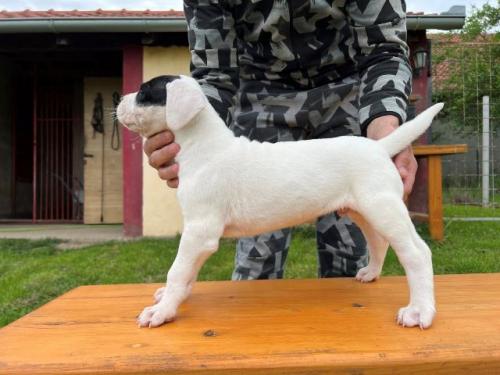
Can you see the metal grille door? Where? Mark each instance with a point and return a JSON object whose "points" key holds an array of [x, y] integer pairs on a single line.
{"points": [[56, 194]]}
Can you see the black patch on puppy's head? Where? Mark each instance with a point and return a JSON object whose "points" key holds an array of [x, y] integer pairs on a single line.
{"points": [[154, 92]]}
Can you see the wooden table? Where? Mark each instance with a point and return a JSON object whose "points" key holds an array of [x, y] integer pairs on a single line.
{"points": [[433, 154], [262, 327]]}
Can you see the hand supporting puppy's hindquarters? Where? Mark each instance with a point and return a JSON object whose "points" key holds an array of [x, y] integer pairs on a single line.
{"points": [[405, 161], [161, 151], [407, 167]]}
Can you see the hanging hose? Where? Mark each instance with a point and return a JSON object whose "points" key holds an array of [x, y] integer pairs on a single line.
{"points": [[98, 126], [115, 137], [97, 115]]}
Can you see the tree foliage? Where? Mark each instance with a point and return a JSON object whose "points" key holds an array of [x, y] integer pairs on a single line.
{"points": [[485, 20], [466, 67]]}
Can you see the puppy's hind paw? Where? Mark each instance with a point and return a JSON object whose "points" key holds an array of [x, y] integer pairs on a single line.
{"points": [[411, 316], [368, 274], [154, 316]]}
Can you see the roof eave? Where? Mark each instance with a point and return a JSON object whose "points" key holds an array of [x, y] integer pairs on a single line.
{"points": [[450, 20], [92, 25], [423, 22], [149, 25]]}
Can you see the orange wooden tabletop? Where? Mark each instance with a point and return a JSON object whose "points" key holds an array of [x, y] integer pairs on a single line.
{"points": [[261, 327], [427, 150]]}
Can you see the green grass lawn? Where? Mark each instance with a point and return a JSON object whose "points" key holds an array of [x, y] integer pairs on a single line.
{"points": [[470, 211], [34, 272], [470, 199]]}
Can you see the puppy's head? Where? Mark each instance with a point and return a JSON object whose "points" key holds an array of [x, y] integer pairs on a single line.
{"points": [[165, 102]]}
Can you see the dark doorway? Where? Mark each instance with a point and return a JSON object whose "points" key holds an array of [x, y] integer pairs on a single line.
{"points": [[45, 117], [41, 152], [22, 152]]}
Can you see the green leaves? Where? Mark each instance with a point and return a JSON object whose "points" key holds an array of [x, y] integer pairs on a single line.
{"points": [[481, 21]]}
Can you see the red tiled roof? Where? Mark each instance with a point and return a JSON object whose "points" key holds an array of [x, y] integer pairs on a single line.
{"points": [[99, 13]]}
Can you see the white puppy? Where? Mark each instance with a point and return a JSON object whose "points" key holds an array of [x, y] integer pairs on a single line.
{"points": [[233, 187]]}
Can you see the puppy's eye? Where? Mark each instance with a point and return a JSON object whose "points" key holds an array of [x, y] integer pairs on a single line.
{"points": [[141, 96]]}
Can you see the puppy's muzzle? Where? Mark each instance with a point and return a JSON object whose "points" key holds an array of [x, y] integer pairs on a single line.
{"points": [[125, 112]]}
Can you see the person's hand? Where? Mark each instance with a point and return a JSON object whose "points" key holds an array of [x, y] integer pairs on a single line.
{"points": [[161, 151], [405, 161]]}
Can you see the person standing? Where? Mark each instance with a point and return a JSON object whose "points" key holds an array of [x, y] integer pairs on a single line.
{"points": [[277, 71]]}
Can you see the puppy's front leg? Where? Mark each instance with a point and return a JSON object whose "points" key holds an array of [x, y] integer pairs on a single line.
{"points": [[197, 244]]}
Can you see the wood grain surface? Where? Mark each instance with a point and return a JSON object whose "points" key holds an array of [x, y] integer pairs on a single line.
{"points": [[435, 199], [262, 327], [425, 150]]}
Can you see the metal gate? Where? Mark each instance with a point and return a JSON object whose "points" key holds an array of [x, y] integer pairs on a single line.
{"points": [[57, 195]]}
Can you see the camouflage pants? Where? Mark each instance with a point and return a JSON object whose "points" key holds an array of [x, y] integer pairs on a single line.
{"points": [[340, 244]]}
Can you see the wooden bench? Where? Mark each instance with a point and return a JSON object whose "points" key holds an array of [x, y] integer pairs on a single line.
{"points": [[433, 155], [261, 327]]}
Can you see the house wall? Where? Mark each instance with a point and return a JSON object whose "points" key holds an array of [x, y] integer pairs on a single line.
{"points": [[161, 212], [113, 174], [5, 139]]}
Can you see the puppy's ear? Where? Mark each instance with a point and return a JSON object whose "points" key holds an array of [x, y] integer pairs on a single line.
{"points": [[185, 100]]}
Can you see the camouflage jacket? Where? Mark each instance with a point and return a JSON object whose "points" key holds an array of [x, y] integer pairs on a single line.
{"points": [[288, 54]]}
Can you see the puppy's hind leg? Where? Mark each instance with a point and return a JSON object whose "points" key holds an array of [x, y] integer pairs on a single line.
{"points": [[377, 247], [197, 243], [392, 220]]}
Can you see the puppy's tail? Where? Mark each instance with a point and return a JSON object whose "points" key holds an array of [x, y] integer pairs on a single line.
{"points": [[409, 131]]}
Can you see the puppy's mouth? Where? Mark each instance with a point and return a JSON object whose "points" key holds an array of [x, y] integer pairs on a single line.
{"points": [[133, 127], [129, 122]]}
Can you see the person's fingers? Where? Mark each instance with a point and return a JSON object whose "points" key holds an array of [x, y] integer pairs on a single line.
{"points": [[407, 167], [403, 172], [161, 152], [408, 182], [174, 184], [164, 155], [169, 172], [158, 141]]}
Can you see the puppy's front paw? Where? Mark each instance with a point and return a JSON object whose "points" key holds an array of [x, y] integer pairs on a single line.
{"points": [[368, 274], [411, 316], [154, 316]]}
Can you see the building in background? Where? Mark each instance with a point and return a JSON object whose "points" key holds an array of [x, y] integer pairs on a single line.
{"points": [[63, 157]]}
